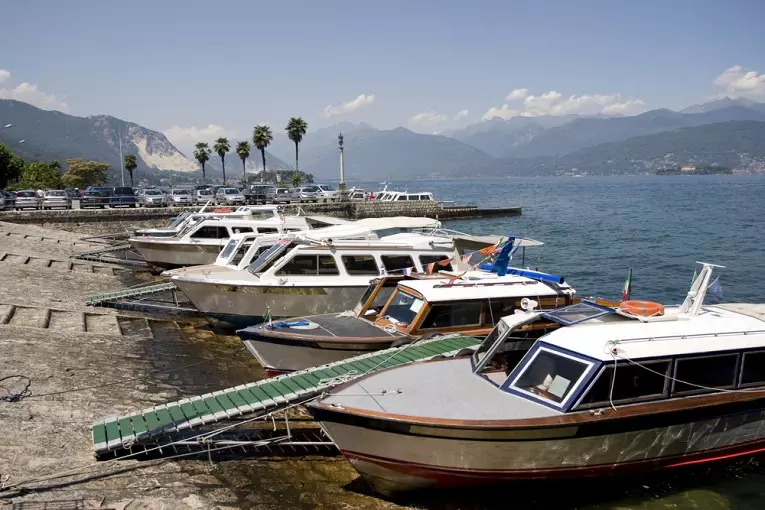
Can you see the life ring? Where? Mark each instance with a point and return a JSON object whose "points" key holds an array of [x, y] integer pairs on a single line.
{"points": [[642, 308]]}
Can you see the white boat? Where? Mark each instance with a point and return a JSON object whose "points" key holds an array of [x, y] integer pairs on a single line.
{"points": [[400, 309], [612, 391], [201, 238], [184, 219], [311, 272]]}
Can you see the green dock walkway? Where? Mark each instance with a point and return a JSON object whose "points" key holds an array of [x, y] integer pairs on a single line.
{"points": [[268, 395]]}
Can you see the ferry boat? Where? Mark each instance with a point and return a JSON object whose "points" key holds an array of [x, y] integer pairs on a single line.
{"points": [[200, 240], [613, 390], [397, 310], [310, 272]]}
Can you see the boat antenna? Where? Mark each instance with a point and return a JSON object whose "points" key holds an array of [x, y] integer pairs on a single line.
{"points": [[695, 297]]}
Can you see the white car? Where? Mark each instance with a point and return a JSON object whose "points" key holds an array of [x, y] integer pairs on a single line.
{"points": [[229, 196], [326, 192], [181, 197]]}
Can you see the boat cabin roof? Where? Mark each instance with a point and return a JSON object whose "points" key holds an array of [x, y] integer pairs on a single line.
{"points": [[480, 285]]}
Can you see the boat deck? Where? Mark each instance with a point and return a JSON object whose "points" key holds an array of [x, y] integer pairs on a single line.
{"points": [[163, 421]]}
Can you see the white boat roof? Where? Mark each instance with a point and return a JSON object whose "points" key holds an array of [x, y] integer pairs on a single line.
{"points": [[480, 285], [715, 328]]}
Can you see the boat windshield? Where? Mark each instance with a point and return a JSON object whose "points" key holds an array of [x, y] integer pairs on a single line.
{"points": [[178, 219], [386, 287], [402, 308], [549, 376], [228, 250], [268, 257]]}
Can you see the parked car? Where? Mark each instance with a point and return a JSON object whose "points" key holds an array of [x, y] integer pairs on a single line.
{"points": [[181, 197], [123, 196], [7, 200], [202, 196], [229, 196], [326, 192], [152, 198], [96, 196], [56, 198], [260, 193], [305, 194], [27, 199], [282, 196]]}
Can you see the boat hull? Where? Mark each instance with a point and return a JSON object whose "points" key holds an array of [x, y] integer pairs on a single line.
{"points": [[245, 305], [396, 457], [172, 255]]}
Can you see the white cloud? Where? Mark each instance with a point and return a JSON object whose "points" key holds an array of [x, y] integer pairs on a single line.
{"points": [[349, 106], [427, 119], [737, 82], [30, 93], [553, 103], [184, 138], [517, 94], [460, 115]]}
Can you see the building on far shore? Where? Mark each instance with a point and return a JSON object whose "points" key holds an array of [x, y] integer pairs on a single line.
{"points": [[688, 169]]}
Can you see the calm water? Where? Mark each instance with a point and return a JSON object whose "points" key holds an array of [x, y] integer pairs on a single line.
{"points": [[597, 228]]}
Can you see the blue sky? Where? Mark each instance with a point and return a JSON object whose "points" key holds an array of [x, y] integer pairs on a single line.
{"points": [[201, 69]]}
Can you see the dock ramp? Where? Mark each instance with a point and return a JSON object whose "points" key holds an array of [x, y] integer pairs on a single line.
{"points": [[169, 424], [157, 298], [121, 254]]}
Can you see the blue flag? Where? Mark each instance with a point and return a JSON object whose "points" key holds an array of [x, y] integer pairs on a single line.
{"points": [[500, 263], [715, 289]]}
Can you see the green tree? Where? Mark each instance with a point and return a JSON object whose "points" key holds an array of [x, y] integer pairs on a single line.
{"points": [[261, 138], [296, 179], [202, 154], [222, 147], [11, 166], [130, 165], [296, 129], [243, 150], [41, 176], [81, 173]]}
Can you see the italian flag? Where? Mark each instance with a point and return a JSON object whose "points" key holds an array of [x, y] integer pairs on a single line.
{"points": [[627, 286]]}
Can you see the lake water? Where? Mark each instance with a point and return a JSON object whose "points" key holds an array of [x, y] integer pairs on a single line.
{"points": [[595, 230]]}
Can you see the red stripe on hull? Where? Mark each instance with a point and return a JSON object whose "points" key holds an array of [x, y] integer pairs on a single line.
{"points": [[456, 477], [272, 372]]}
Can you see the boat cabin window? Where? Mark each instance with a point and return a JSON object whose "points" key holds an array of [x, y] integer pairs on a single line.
{"points": [[267, 259], [632, 383], [425, 197], [240, 253], [241, 230], [499, 308], [396, 262], [401, 197], [388, 286], [716, 371], [550, 375], [358, 265], [228, 249], [210, 232], [402, 308], [414, 197], [310, 265], [429, 259], [267, 230], [448, 315], [753, 370]]}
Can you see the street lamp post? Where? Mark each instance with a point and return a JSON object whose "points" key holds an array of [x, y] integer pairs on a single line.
{"points": [[341, 187]]}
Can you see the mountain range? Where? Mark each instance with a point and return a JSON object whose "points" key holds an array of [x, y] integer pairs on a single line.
{"points": [[717, 132]]}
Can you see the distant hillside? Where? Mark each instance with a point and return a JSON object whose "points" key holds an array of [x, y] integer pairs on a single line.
{"points": [[54, 135], [736, 144], [396, 153]]}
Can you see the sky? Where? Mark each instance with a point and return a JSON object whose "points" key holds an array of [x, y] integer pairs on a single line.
{"points": [[197, 70]]}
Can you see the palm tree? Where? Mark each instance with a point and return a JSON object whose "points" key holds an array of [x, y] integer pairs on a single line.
{"points": [[243, 150], [202, 154], [222, 147], [296, 129], [130, 165], [262, 137]]}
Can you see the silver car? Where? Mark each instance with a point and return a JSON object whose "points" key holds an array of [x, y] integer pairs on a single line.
{"points": [[326, 192], [152, 198], [305, 194], [202, 196], [181, 197], [27, 199], [56, 198], [282, 196], [229, 196]]}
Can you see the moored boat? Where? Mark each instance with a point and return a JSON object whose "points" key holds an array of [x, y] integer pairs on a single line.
{"points": [[396, 309], [611, 391]]}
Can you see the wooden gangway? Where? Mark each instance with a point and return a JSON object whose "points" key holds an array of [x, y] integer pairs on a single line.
{"points": [[163, 423]]}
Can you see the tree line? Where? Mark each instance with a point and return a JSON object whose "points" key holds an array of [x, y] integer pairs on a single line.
{"points": [[261, 138], [15, 173]]}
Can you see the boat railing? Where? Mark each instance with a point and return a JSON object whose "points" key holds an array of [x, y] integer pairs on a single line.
{"points": [[684, 337]]}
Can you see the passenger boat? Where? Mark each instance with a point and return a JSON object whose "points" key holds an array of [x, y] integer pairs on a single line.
{"points": [[613, 390], [397, 309], [310, 272], [200, 240], [184, 219]]}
